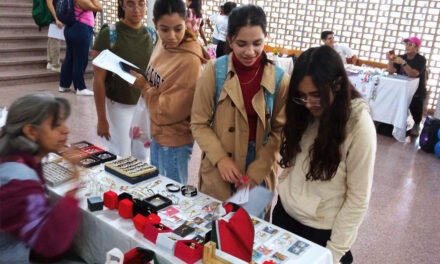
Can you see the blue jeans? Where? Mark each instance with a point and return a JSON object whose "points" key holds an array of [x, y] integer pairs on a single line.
{"points": [[78, 38], [171, 162], [250, 156]]}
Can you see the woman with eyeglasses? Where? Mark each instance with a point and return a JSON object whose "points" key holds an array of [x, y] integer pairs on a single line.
{"points": [[116, 99], [328, 150]]}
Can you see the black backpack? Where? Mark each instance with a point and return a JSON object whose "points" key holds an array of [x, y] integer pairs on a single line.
{"points": [[65, 11], [428, 137]]}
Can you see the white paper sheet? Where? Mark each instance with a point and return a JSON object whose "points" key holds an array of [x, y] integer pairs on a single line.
{"points": [[241, 196], [110, 61], [55, 32], [254, 201]]}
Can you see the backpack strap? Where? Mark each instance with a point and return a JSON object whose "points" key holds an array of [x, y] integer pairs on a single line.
{"points": [[269, 97], [153, 35], [113, 34], [221, 70]]}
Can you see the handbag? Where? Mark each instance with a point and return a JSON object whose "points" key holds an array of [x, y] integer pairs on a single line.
{"points": [[140, 123]]}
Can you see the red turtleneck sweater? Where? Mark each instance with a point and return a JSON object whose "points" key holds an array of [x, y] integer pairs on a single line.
{"points": [[250, 81]]}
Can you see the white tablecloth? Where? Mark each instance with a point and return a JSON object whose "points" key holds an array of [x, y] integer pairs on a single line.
{"points": [[389, 100], [101, 231], [285, 63]]}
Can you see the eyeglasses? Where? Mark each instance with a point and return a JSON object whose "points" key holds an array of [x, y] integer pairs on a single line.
{"points": [[133, 6], [313, 101]]}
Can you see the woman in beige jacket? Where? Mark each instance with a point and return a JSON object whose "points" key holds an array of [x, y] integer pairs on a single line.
{"points": [[232, 143]]}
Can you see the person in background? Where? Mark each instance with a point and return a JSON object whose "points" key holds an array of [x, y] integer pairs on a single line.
{"points": [[53, 44], [115, 99], [347, 55], [328, 149], [194, 21], [412, 64], [216, 35], [172, 73], [220, 27], [78, 38], [233, 139], [31, 228]]}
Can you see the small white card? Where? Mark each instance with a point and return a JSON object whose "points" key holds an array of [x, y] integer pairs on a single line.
{"points": [[55, 32]]}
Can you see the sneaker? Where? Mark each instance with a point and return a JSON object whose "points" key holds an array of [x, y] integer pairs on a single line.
{"points": [[50, 67], [64, 90], [56, 69], [415, 130], [85, 92]]}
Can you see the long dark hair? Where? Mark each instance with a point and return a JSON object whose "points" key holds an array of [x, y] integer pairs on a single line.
{"points": [[325, 67], [246, 15], [121, 12], [168, 7], [196, 6]]}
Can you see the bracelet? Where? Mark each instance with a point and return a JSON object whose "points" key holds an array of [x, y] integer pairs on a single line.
{"points": [[172, 187], [189, 190]]}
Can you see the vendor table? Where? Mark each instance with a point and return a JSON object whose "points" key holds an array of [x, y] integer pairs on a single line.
{"points": [[101, 231], [389, 98]]}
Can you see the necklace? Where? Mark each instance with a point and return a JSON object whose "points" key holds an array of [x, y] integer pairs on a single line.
{"points": [[253, 78]]}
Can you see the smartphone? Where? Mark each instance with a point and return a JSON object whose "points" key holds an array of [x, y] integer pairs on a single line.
{"points": [[127, 68], [391, 55]]}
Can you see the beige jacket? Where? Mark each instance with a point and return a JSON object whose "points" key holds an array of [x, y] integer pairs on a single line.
{"points": [[228, 135], [172, 75], [341, 203]]}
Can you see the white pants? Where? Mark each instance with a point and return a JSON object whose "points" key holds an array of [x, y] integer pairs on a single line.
{"points": [[119, 118]]}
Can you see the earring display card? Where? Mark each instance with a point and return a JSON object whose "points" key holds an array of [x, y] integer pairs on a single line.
{"points": [[131, 169], [56, 174], [184, 230]]}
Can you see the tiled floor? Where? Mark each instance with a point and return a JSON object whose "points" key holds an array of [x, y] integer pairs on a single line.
{"points": [[403, 222]]}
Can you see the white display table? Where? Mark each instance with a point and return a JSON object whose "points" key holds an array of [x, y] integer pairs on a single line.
{"points": [[101, 231], [389, 98]]}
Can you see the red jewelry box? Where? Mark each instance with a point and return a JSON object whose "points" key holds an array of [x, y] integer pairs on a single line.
{"points": [[125, 208], [151, 231], [189, 251], [111, 200]]}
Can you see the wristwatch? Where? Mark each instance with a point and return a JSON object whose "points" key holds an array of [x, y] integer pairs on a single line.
{"points": [[404, 63]]}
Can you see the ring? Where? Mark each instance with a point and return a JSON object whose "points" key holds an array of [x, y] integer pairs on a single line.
{"points": [[189, 191], [172, 187]]}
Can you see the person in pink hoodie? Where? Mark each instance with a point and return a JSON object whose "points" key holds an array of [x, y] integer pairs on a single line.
{"points": [[30, 228]]}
